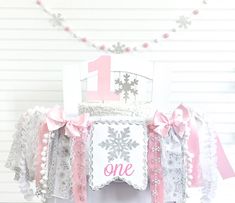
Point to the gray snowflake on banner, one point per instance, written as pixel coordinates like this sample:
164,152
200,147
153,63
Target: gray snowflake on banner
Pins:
118,144
183,22
126,86
118,48
57,19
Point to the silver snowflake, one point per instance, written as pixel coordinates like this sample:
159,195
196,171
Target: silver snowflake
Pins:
126,86
183,22
57,19
118,48
118,144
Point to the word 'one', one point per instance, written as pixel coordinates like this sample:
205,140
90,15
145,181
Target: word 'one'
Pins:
118,170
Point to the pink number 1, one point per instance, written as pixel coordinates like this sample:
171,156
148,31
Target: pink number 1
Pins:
102,66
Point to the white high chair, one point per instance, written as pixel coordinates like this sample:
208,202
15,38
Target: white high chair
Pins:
95,82
111,79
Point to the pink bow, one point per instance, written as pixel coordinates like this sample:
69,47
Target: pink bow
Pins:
178,121
55,120
75,129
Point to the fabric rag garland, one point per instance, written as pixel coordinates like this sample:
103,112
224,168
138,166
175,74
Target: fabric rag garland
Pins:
198,168
183,149
158,130
76,129
57,19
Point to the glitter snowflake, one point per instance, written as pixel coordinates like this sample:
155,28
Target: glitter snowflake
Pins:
118,144
57,19
126,86
118,48
183,22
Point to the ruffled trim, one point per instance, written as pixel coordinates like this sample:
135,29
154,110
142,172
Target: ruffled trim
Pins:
113,109
208,157
187,164
17,159
16,150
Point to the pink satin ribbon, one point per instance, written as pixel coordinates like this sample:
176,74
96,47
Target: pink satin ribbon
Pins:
76,129
178,121
224,167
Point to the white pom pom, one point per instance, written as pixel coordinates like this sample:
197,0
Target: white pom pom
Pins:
45,148
42,181
190,170
44,191
43,165
189,159
42,172
44,141
44,159
190,166
185,147
43,153
44,185
191,155
187,131
46,135
45,178
190,177
52,135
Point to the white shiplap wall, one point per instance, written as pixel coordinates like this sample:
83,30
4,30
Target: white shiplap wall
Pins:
199,62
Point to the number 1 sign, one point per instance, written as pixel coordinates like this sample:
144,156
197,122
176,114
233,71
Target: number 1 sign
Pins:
103,66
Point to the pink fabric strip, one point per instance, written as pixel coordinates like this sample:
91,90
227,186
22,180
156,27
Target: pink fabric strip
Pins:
223,164
43,129
79,170
193,147
155,168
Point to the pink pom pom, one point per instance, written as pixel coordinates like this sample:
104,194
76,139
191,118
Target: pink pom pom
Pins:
145,45
165,36
195,12
127,49
102,47
84,39
67,29
39,2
